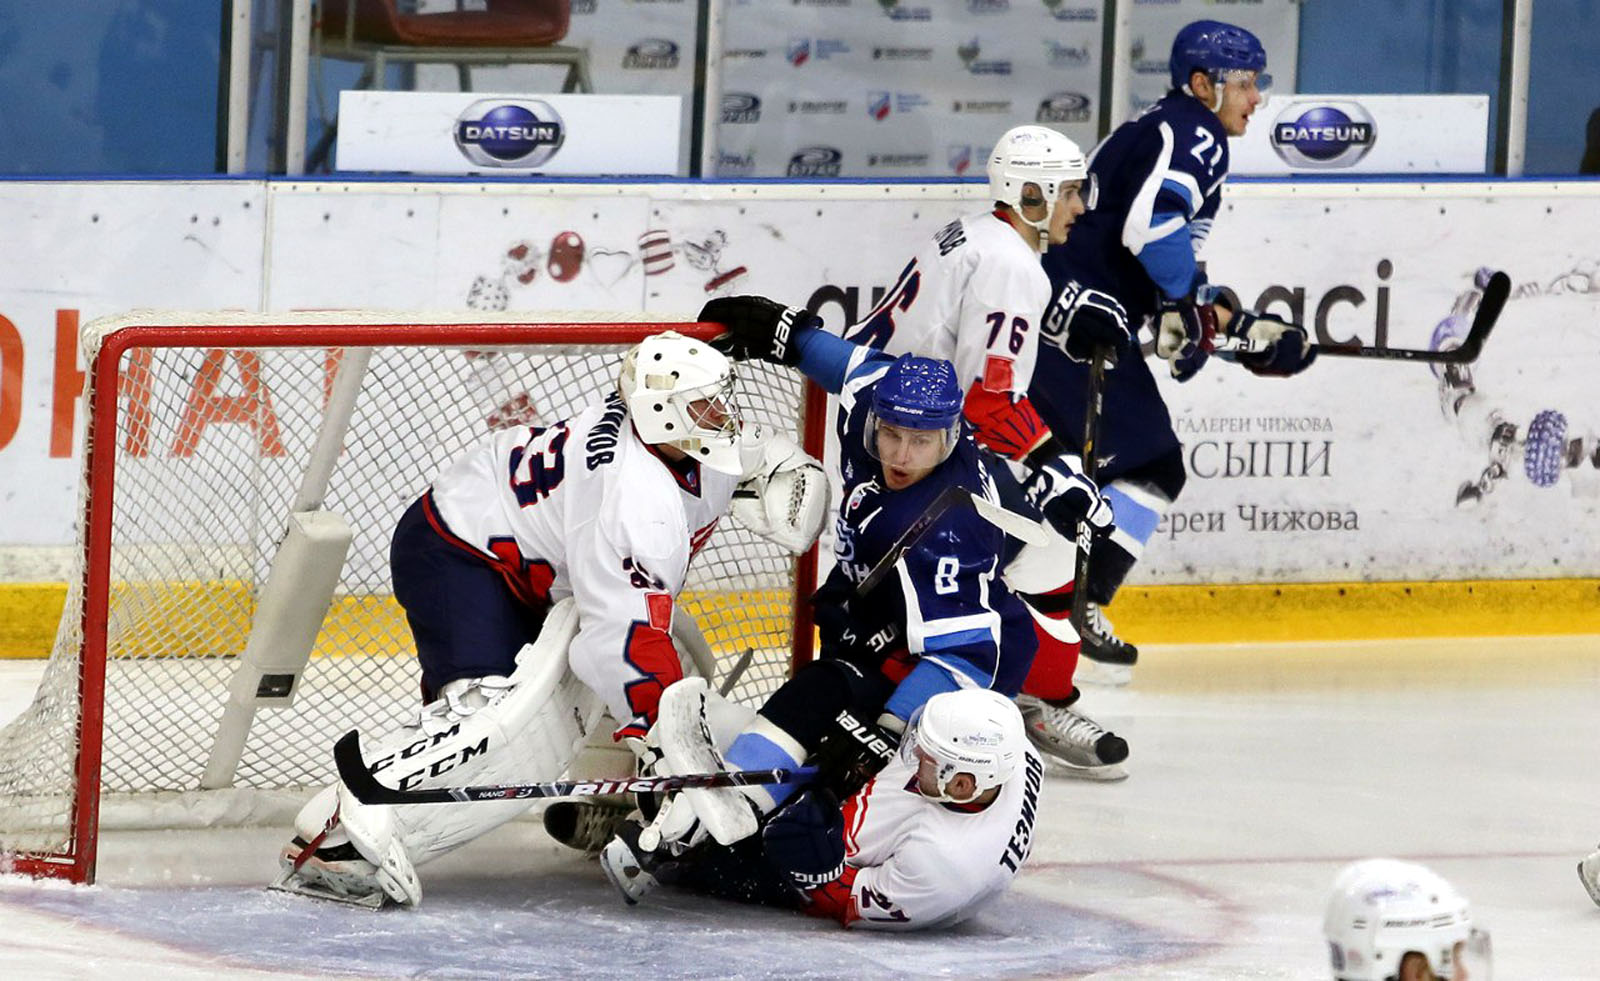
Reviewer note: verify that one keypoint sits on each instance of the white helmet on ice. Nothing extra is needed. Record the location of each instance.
(663, 378)
(973, 730)
(1382, 909)
(1033, 155)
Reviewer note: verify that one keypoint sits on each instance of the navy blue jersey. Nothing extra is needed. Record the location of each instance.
(957, 612)
(1157, 183)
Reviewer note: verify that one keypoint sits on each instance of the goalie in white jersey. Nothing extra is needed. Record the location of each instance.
(540, 549)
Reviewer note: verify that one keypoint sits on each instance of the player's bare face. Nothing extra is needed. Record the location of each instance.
(961, 787)
(1069, 205)
(908, 455)
(1241, 94)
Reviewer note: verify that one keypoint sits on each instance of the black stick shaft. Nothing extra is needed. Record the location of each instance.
(368, 790)
(1091, 437)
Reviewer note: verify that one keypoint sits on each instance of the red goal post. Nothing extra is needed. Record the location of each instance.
(189, 684)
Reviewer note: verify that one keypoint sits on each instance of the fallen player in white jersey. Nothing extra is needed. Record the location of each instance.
(539, 575)
(938, 834)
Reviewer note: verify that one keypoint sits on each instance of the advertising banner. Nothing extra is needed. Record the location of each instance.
(896, 88)
(76, 251)
(1152, 24)
(1353, 470)
(474, 133)
(1365, 134)
(636, 47)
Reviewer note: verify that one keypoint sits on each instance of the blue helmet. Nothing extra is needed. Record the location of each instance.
(1212, 46)
(918, 393)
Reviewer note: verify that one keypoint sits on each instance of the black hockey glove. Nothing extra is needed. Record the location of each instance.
(1272, 346)
(1081, 321)
(1061, 492)
(852, 753)
(758, 328)
(855, 628)
(806, 839)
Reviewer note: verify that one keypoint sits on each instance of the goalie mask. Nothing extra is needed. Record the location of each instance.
(920, 395)
(1382, 909)
(1034, 155)
(679, 393)
(973, 731)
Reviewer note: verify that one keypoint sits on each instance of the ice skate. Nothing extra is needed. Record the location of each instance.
(1079, 746)
(336, 873)
(586, 825)
(631, 867)
(1110, 659)
(1589, 874)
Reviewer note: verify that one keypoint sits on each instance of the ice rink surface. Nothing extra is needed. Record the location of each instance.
(1256, 773)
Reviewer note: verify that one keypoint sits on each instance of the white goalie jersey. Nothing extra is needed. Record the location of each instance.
(920, 865)
(974, 296)
(585, 509)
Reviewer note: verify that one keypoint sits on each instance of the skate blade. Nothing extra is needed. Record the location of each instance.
(293, 882)
(1110, 773)
(1591, 886)
(624, 872)
(1100, 674)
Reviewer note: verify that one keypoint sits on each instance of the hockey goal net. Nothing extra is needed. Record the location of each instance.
(209, 445)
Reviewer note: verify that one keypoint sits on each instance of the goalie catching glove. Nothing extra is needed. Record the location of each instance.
(757, 328)
(1061, 492)
(784, 494)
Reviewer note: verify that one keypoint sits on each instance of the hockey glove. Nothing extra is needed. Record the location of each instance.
(806, 839)
(1186, 335)
(1083, 320)
(1272, 346)
(757, 328)
(1061, 492)
(852, 753)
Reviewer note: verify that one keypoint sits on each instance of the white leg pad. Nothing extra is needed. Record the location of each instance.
(528, 727)
(529, 731)
(371, 830)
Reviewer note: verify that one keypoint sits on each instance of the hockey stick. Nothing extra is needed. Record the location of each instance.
(366, 788)
(947, 499)
(1091, 433)
(736, 672)
(1021, 527)
(1495, 293)
(1018, 526)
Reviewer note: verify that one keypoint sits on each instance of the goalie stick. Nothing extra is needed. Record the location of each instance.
(367, 789)
(1495, 293)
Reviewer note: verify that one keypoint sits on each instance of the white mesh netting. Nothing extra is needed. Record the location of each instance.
(211, 448)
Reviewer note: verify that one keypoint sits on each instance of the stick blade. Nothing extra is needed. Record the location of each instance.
(352, 766)
(1493, 301)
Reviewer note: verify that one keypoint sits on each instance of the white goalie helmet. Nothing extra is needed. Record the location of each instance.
(1382, 909)
(1033, 155)
(679, 392)
(973, 730)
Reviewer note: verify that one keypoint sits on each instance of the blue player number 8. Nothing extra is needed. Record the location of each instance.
(944, 577)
